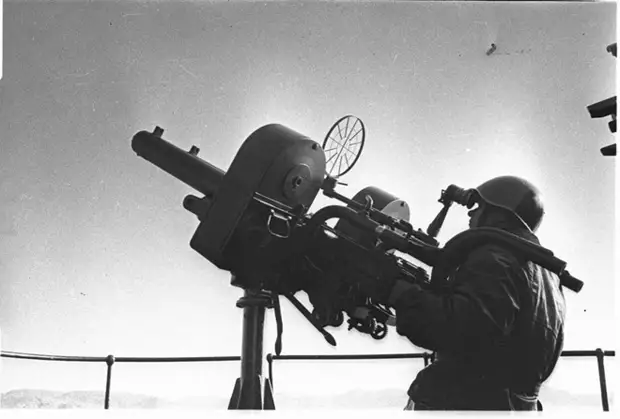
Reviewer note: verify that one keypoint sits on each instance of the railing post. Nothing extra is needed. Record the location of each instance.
(426, 357)
(600, 358)
(109, 361)
(270, 363)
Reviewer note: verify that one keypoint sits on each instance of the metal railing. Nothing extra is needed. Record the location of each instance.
(110, 360)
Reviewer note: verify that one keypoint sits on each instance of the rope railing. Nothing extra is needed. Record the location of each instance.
(110, 360)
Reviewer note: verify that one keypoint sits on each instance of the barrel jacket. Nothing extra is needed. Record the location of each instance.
(496, 329)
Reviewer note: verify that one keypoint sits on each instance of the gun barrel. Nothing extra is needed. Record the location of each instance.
(188, 168)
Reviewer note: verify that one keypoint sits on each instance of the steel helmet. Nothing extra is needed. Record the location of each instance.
(515, 194)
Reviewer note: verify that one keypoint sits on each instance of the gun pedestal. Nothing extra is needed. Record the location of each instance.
(249, 392)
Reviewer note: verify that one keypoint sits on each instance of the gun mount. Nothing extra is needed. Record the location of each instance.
(254, 222)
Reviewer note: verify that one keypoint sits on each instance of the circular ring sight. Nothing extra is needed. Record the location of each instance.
(343, 145)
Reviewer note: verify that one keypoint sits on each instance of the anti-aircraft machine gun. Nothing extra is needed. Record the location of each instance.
(255, 223)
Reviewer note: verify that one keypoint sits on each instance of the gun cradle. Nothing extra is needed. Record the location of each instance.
(274, 161)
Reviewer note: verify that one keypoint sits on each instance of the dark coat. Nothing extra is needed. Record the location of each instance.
(496, 328)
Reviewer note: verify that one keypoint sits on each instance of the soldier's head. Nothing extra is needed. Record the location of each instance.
(507, 199)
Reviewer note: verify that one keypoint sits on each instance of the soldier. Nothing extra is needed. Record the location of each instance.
(497, 326)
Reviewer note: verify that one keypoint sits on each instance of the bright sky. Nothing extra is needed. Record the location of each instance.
(94, 243)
